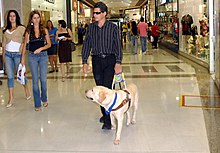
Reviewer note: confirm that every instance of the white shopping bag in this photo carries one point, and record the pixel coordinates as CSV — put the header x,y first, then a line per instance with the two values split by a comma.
x,y
151,39
21,74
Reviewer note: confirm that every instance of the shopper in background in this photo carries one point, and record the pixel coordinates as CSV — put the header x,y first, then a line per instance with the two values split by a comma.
x,y
52,51
64,35
129,31
134,37
142,28
124,31
155,33
103,39
11,51
39,41
81,32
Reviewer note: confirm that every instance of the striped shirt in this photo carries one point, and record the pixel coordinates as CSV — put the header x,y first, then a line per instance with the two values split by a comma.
x,y
104,40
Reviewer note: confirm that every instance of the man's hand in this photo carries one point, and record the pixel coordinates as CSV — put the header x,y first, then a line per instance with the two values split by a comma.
x,y
118,68
85,68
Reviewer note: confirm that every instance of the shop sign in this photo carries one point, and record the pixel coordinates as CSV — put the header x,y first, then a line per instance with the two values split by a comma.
x,y
50,1
74,5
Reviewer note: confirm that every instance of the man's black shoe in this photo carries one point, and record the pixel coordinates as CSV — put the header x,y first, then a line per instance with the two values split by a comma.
x,y
101,120
106,127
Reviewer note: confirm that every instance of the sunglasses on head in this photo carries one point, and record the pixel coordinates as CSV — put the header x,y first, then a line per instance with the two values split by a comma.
x,y
97,13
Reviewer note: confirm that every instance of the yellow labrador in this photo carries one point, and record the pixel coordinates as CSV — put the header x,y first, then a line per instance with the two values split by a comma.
x,y
116,102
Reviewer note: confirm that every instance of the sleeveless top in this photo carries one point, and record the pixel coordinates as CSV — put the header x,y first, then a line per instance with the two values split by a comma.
x,y
35,43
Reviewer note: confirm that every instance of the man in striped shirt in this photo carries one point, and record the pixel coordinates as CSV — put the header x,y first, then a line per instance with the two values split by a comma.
x,y
102,37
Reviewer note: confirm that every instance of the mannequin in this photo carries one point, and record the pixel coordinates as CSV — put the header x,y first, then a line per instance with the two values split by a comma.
x,y
186,22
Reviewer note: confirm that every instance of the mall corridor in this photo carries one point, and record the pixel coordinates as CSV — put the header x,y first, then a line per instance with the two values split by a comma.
x,y
70,124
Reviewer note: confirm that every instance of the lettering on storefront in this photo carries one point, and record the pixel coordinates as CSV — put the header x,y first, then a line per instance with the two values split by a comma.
x,y
50,1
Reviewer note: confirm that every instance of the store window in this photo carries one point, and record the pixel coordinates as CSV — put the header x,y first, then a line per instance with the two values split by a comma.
x,y
168,21
194,29
53,10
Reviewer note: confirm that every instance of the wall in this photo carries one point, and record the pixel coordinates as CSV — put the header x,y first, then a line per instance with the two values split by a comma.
x,y
217,43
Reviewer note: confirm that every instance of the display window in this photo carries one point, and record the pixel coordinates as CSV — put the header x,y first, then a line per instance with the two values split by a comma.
x,y
168,21
194,30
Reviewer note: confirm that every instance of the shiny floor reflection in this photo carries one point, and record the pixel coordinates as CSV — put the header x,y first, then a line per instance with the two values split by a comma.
x,y
71,122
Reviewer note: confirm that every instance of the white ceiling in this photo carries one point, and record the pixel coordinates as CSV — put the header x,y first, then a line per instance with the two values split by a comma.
x,y
59,5
119,4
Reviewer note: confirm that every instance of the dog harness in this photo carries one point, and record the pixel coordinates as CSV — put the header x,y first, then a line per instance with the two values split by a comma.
x,y
125,101
107,112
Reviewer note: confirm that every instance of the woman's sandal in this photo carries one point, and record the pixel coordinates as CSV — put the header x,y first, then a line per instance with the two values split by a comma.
x,y
37,109
63,79
45,104
67,74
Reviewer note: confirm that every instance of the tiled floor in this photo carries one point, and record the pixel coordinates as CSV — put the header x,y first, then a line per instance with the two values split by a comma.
x,y
70,123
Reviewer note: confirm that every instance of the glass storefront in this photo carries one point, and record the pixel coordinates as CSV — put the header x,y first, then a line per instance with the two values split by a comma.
x,y
50,10
194,29
168,21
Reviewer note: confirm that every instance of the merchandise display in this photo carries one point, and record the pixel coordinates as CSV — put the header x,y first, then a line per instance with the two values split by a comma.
x,y
196,44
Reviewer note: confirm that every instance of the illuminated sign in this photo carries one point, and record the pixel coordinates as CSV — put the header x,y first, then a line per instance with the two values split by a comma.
x,y
50,1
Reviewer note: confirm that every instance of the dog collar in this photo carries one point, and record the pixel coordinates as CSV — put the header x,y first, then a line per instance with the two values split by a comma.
x,y
107,112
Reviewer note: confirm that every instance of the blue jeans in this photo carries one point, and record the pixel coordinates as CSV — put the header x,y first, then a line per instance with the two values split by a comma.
x,y
12,60
143,43
134,44
129,36
38,64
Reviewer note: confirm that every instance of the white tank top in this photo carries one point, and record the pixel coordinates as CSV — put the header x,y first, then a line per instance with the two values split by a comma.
x,y
12,46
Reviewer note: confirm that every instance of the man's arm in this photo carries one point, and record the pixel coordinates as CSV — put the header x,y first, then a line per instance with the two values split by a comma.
x,y
118,51
86,51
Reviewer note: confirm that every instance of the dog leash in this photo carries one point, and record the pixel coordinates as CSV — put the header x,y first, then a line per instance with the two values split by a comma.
x,y
118,78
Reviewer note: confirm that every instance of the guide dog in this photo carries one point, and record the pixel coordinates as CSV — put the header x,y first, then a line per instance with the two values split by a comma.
x,y
116,102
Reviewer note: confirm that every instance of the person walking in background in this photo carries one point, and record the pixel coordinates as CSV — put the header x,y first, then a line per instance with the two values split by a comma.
x,y
142,28
52,51
149,33
129,31
134,37
64,35
81,32
124,31
155,34
11,51
102,37
39,41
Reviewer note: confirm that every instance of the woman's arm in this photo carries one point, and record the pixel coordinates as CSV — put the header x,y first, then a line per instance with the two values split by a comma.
x,y
71,35
23,49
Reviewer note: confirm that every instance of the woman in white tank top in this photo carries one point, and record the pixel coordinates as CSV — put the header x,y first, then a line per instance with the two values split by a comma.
x,y
11,48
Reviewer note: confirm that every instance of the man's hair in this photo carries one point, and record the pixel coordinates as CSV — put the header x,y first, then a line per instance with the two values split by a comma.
x,y
102,6
142,19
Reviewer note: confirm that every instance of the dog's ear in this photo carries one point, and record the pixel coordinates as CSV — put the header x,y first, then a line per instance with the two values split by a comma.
x,y
102,96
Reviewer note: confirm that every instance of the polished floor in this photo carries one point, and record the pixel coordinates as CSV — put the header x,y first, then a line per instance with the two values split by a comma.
x,y
70,123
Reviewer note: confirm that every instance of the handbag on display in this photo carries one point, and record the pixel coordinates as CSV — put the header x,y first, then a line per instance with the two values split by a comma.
x,y
21,74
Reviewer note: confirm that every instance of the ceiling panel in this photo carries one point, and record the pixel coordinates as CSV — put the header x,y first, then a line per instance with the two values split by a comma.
x,y
119,4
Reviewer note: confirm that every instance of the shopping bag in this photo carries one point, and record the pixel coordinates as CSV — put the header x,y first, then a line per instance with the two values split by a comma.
x,y
151,39
118,79
21,74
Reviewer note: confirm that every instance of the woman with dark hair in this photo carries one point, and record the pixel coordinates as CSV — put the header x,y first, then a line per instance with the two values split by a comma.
x,y
39,41
134,37
52,51
11,51
64,35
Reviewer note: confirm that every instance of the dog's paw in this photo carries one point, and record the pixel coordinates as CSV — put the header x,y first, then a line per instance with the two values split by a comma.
x,y
116,142
113,127
133,122
128,123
